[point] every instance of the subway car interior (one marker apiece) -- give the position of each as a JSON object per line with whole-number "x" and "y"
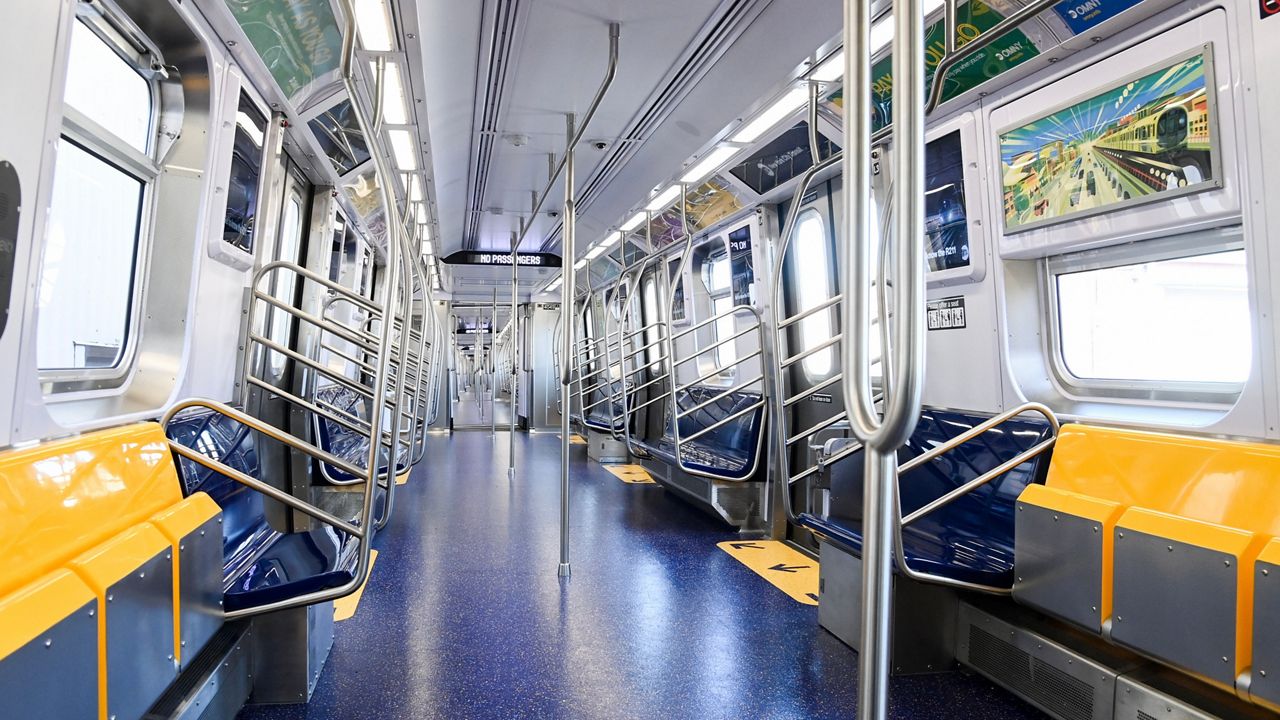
{"x": 639, "y": 359}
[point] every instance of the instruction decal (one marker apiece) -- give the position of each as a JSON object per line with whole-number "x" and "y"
{"x": 631, "y": 474}
{"x": 784, "y": 567}
{"x": 946, "y": 314}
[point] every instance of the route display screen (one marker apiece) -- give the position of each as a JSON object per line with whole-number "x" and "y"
{"x": 945, "y": 221}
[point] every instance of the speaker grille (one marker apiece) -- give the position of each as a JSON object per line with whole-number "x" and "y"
{"x": 1144, "y": 716}
{"x": 1054, "y": 690}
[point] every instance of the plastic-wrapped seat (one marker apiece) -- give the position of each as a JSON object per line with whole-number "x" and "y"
{"x": 342, "y": 442}
{"x": 731, "y": 450}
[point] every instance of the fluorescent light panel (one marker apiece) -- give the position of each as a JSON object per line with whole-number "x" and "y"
{"x": 415, "y": 189}
{"x": 394, "y": 109}
{"x": 774, "y": 114}
{"x": 374, "y": 25}
{"x": 595, "y": 252}
{"x": 611, "y": 239}
{"x": 708, "y": 164}
{"x": 634, "y": 222}
{"x": 580, "y": 264}
{"x": 664, "y": 198}
{"x": 832, "y": 69}
{"x": 402, "y": 149}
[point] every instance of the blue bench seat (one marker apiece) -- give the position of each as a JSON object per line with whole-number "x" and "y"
{"x": 730, "y": 451}
{"x": 971, "y": 539}
{"x": 260, "y": 564}
{"x": 601, "y": 418}
{"x": 344, "y": 443}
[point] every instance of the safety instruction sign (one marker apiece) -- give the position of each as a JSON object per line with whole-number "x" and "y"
{"x": 786, "y": 568}
{"x": 946, "y": 314}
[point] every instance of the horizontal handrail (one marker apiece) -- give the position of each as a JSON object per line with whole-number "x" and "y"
{"x": 248, "y": 480}
{"x": 817, "y": 428}
{"x": 724, "y": 421}
{"x": 718, "y": 371}
{"x": 725, "y": 341}
{"x": 683, "y": 413}
{"x": 736, "y": 309}
{"x": 347, "y": 293}
{"x": 825, "y": 304}
{"x": 833, "y": 340}
{"x": 813, "y": 390}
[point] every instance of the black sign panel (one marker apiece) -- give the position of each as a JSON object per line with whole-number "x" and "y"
{"x": 10, "y": 202}
{"x": 479, "y": 257}
{"x": 946, "y": 314}
{"x": 740, "y": 265}
{"x": 945, "y": 221}
{"x": 779, "y": 161}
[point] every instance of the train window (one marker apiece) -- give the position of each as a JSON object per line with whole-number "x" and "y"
{"x": 290, "y": 244}
{"x": 652, "y": 317}
{"x": 814, "y": 256}
{"x": 97, "y": 210}
{"x": 718, "y": 278}
{"x": 246, "y": 168}
{"x": 106, "y": 87}
{"x": 1166, "y": 320}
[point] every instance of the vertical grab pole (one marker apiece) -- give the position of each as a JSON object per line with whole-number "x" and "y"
{"x": 567, "y": 338}
{"x": 883, "y": 435}
{"x": 515, "y": 349}
{"x": 493, "y": 367}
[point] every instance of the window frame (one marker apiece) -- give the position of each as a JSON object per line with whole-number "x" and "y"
{"x": 90, "y": 136}
{"x": 1184, "y": 246}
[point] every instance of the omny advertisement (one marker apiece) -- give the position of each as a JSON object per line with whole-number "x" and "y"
{"x": 1144, "y": 139}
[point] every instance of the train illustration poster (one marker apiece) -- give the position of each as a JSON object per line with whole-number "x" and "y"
{"x": 1146, "y": 138}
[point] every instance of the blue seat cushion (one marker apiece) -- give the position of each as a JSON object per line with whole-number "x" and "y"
{"x": 730, "y": 451}
{"x": 971, "y": 539}
{"x": 601, "y": 417}
{"x": 260, "y": 564}
{"x": 337, "y": 440}
{"x": 295, "y": 564}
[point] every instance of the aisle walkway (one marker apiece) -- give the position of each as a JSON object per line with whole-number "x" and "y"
{"x": 464, "y": 616}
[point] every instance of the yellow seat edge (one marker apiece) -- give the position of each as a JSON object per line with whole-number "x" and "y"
{"x": 108, "y": 563}
{"x": 176, "y": 523}
{"x": 1072, "y": 503}
{"x": 34, "y": 608}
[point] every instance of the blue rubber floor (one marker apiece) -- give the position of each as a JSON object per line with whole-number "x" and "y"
{"x": 464, "y": 616}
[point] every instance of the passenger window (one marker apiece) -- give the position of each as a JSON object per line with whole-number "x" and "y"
{"x": 97, "y": 209}
{"x": 290, "y": 245}
{"x": 246, "y": 168}
{"x": 652, "y": 316}
{"x": 813, "y": 285}
{"x": 1176, "y": 320}
{"x": 717, "y": 275}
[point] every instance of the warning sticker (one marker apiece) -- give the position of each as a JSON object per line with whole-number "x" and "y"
{"x": 786, "y": 568}
{"x": 633, "y": 474}
{"x": 344, "y": 608}
{"x": 574, "y": 439}
{"x": 946, "y": 314}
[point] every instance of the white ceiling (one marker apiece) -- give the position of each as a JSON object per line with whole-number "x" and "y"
{"x": 558, "y": 50}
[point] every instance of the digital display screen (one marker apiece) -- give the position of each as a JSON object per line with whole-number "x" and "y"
{"x": 945, "y": 221}
{"x": 781, "y": 160}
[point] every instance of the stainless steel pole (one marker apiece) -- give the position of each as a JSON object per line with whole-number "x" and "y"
{"x": 493, "y": 367}
{"x": 567, "y": 338}
{"x": 515, "y": 350}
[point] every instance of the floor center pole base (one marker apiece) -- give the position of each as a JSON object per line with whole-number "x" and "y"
{"x": 564, "y": 570}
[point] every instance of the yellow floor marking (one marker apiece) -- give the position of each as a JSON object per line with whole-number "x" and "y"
{"x": 344, "y": 608}
{"x": 634, "y": 474}
{"x": 402, "y": 478}
{"x": 786, "y": 568}
{"x": 574, "y": 439}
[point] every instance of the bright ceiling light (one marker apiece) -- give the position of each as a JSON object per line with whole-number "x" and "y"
{"x": 403, "y": 150}
{"x": 831, "y": 70}
{"x": 708, "y": 164}
{"x": 611, "y": 239}
{"x": 580, "y": 264}
{"x": 554, "y": 284}
{"x": 374, "y": 25}
{"x": 787, "y": 104}
{"x": 427, "y": 249}
{"x": 664, "y": 198}
{"x": 415, "y": 189}
{"x": 634, "y": 222}
{"x": 595, "y": 252}
{"x": 394, "y": 109}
